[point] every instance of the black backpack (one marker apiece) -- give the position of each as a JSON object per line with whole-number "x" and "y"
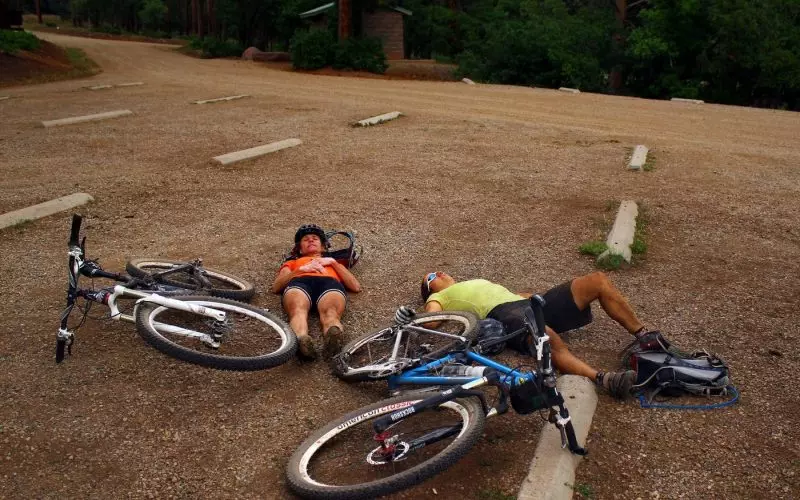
{"x": 664, "y": 370}
{"x": 340, "y": 245}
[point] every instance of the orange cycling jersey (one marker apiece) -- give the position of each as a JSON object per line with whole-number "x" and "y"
{"x": 295, "y": 264}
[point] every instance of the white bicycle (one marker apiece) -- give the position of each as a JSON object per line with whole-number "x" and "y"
{"x": 179, "y": 309}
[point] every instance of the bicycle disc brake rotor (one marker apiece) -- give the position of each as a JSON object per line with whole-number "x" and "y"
{"x": 378, "y": 456}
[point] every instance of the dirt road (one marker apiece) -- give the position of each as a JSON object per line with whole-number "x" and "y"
{"x": 497, "y": 182}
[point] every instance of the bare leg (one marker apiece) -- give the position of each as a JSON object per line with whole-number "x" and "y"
{"x": 297, "y": 305}
{"x": 331, "y": 307}
{"x": 597, "y": 286}
{"x": 565, "y": 361}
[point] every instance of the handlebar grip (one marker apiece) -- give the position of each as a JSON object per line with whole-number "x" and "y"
{"x": 573, "y": 441}
{"x": 61, "y": 344}
{"x": 75, "y": 231}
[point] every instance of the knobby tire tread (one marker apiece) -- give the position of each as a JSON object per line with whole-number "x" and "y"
{"x": 419, "y": 473}
{"x": 245, "y": 293}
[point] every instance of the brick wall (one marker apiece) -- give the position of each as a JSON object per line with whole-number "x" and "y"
{"x": 388, "y": 26}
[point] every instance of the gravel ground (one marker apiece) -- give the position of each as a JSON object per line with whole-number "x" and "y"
{"x": 492, "y": 181}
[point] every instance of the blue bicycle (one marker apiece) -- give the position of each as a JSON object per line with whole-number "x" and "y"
{"x": 399, "y": 442}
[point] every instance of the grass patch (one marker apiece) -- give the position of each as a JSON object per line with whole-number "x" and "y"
{"x": 12, "y": 42}
{"x": 81, "y": 64}
{"x": 593, "y": 248}
{"x": 584, "y": 490}
{"x": 610, "y": 262}
{"x": 639, "y": 246}
{"x": 494, "y": 494}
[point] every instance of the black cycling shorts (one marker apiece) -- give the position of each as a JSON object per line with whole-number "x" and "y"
{"x": 315, "y": 287}
{"x": 560, "y": 313}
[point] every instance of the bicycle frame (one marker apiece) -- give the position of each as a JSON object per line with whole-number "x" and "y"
{"x": 419, "y": 375}
{"x": 496, "y": 374}
{"x": 78, "y": 266}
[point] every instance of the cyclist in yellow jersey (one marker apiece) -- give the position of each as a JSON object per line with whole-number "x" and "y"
{"x": 567, "y": 308}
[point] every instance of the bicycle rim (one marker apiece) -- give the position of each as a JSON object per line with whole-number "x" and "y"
{"x": 369, "y": 357}
{"x": 343, "y": 460}
{"x": 248, "y": 339}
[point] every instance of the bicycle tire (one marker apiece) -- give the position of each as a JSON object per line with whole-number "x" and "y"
{"x": 195, "y": 351}
{"x": 229, "y": 286}
{"x": 344, "y": 466}
{"x": 352, "y": 355}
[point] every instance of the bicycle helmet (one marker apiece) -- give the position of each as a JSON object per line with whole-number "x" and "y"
{"x": 310, "y": 229}
{"x": 488, "y": 330}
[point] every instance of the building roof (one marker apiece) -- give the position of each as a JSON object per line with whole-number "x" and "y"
{"x": 322, "y": 8}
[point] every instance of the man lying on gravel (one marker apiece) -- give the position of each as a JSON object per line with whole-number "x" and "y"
{"x": 567, "y": 308}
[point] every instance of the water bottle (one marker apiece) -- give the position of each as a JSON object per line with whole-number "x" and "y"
{"x": 463, "y": 371}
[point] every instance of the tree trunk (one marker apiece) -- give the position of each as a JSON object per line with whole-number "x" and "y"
{"x": 345, "y": 19}
{"x": 200, "y": 26}
{"x": 193, "y": 24}
{"x": 615, "y": 78}
{"x": 39, "y": 11}
{"x": 212, "y": 21}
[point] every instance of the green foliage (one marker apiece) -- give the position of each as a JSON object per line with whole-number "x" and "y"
{"x": 494, "y": 494}
{"x": 594, "y": 248}
{"x": 610, "y": 261}
{"x": 730, "y": 51}
{"x": 312, "y": 49}
{"x": 317, "y": 48}
{"x": 360, "y": 54}
{"x": 152, "y": 14}
{"x": 214, "y": 47}
{"x": 541, "y": 42}
{"x": 12, "y": 42}
{"x": 638, "y": 247}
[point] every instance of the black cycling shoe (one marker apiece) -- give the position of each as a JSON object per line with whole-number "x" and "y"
{"x": 618, "y": 384}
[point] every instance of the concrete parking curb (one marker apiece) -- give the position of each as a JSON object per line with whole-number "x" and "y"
{"x": 220, "y": 99}
{"x": 44, "y": 209}
{"x": 88, "y": 118}
{"x": 639, "y": 157}
{"x": 692, "y": 101}
{"x": 114, "y": 85}
{"x": 551, "y": 475}
{"x": 255, "y": 152}
{"x": 4, "y": 97}
{"x": 620, "y": 238}
{"x": 375, "y": 120}
{"x": 567, "y": 89}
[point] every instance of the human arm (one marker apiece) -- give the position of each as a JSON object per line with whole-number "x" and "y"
{"x": 348, "y": 280}
{"x": 286, "y": 273}
{"x": 283, "y": 278}
{"x": 433, "y": 306}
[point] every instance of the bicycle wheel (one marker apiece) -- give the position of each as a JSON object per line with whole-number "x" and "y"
{"x": 223, "y": 284}
{"x": 248, "y": 339}
{"x": 369, "y": 357}
{"x": 343, "y": 459}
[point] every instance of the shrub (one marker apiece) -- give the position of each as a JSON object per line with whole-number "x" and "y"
{"x": 594, "y": 248}
{"x": 13, "y": 41}
{"x": 214, "y": 47}
{"x": 312, "y": 49}
{"x": 360, "y": 54}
